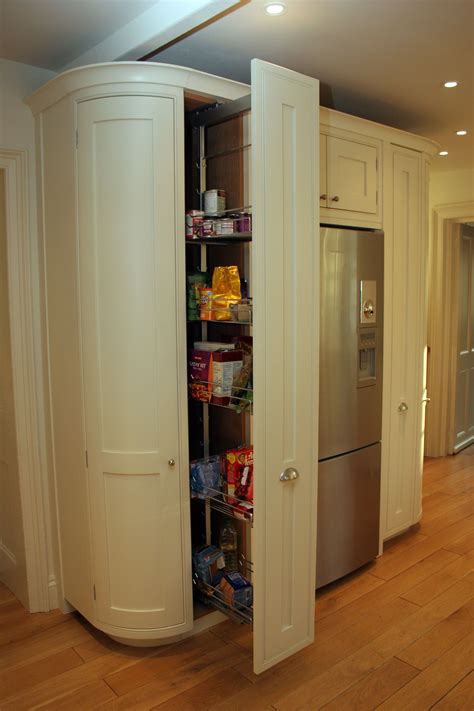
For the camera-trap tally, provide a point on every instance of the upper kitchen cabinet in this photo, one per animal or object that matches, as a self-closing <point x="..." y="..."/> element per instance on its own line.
<point x="116" y="175"/>
<point x="350" y="175"/>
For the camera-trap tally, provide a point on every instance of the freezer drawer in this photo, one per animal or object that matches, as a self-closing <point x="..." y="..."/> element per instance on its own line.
<point x="348" y="513"/>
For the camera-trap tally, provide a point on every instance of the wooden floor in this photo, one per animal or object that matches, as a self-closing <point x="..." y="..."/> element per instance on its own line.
<point x="398" y="635"/>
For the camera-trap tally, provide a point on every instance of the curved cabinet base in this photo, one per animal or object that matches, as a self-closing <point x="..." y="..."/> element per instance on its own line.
<point x="149" y="642"/>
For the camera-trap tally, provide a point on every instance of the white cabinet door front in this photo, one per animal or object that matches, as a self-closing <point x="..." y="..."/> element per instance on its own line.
<point x="402" y="435"/>
<point x="285" y="136"/>
<point x="128" y="152"/>
<point x="351" y="175"/>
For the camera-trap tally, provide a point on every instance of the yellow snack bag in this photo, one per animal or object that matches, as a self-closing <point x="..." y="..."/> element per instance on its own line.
<point x="225" y="291"/>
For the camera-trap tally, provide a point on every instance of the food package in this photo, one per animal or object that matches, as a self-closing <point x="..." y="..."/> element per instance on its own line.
<point x="208" y="564"/>
<point x="196" y="282"/>
<point x="214" y="202"/>
<point x="225" y="291"/>
<point x="225" y="367"/>
<point x="194" y="219"/>
<point x="211" y="374"/>
<point x="239" y="474"/>
<point x="206" y="475"/>
<point x="236" y="590"/>
<point x="213" y="346"/>
<point x="242" y="386"/>
<point x="205" y="311"/>
<point x="199" y="375"/>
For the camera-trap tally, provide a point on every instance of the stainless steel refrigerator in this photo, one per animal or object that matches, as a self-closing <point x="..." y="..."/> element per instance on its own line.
<point x="350" y="414"/>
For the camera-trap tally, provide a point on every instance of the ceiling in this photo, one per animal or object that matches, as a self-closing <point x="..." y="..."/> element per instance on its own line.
<point x="385" y="60"/>
<point x="51" y="33"/>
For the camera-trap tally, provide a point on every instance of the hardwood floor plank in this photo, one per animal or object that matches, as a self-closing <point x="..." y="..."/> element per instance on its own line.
<point x="162" y="664"/>
<point x="219" y="687"/>
<point x="62" y="636"/>
<point x="31" y="674"/>
<point x="460" y="698"/>
<point x="434" y="682"/>
<point x="438" y="640"/>
<point x="332" y="598"/>
<point x="375" y="688"/>
<point x="177" y="679"/>
<point x="454" y="514"/>
<point x="83" y="699"/>
<point x="430" y="588"/>
<point x="50" y="689"/>
<point x="393" y="640"/>
<point x="463" y="544"/>
<point x="27" y="625"/>
<point x="392" y="589"/>
<point x="390" y="568"/>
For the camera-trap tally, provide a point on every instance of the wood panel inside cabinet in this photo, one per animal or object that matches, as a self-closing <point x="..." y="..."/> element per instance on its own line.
<point x="225" y="159"/>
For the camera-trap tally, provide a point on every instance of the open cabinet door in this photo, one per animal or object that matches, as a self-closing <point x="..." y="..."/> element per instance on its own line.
<point x="285" y="139"/>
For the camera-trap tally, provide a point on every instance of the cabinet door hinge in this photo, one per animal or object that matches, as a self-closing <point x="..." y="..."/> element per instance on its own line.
<point x="93" y="588"/>
<point x="87" y="460"/>
<point x="77" y="138"/>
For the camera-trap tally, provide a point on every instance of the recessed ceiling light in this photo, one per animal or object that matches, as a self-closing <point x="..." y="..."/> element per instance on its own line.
<point x="443" y="153"/>
<point x="461" y="133"/>
<point x="450" y="84"/>
<point x="275" y="8"/>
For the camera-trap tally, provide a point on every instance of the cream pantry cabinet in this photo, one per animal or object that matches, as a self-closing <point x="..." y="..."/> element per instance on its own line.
<point x="387" y="173"/>
<point x="113" y="171"/>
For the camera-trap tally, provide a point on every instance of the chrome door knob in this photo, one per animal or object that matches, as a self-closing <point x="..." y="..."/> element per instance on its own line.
<point x="403" y="407"/>
<point x="171" y="462"/>
<point x="289" y="474"/>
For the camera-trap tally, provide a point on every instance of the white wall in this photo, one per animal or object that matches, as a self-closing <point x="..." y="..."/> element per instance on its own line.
<point x="451" y="186"/>
<point x="17" y="81"/>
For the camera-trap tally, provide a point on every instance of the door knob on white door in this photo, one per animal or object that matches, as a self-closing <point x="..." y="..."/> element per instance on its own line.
<point x="403" y="407"/>
<point x="171" y="462"/>
<point x="289" y="474"/>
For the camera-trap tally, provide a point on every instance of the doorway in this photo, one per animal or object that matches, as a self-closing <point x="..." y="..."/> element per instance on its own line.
<point x="464" y="397"/>
<point x="448" y="414"/>
<point x="12" y="543"/>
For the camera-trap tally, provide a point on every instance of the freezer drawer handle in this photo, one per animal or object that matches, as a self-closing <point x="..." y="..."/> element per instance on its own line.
<point x="289" y="474"/>
<point x="403" y="407"/>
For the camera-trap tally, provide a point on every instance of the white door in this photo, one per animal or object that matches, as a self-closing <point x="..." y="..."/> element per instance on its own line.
<point x="285" y="135"/>
<point x="129" y="152"/>
<point x="464" y="409"/>
<point x="351" y="175"/>
<point x="405" y="263"/>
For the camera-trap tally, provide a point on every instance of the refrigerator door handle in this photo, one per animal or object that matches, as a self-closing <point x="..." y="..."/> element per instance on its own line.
<point x="289" y="474"/>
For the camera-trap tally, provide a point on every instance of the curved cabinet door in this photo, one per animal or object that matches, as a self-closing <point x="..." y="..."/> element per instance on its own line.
<point x="129" y="152"/>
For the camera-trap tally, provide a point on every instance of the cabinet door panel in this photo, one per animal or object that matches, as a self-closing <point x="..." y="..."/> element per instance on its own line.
<point x="128" y="267"/>
<point x="351" y="175"/>
<point x="286" y="339"/>
<point x="402" y="428"/>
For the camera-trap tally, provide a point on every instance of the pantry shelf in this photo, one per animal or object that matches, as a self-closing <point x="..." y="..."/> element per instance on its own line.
<point x="213" y="596"/>
<point x="229" y="505"/>
<point x="221" y="240"/>
<point x="216" y="320"/>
